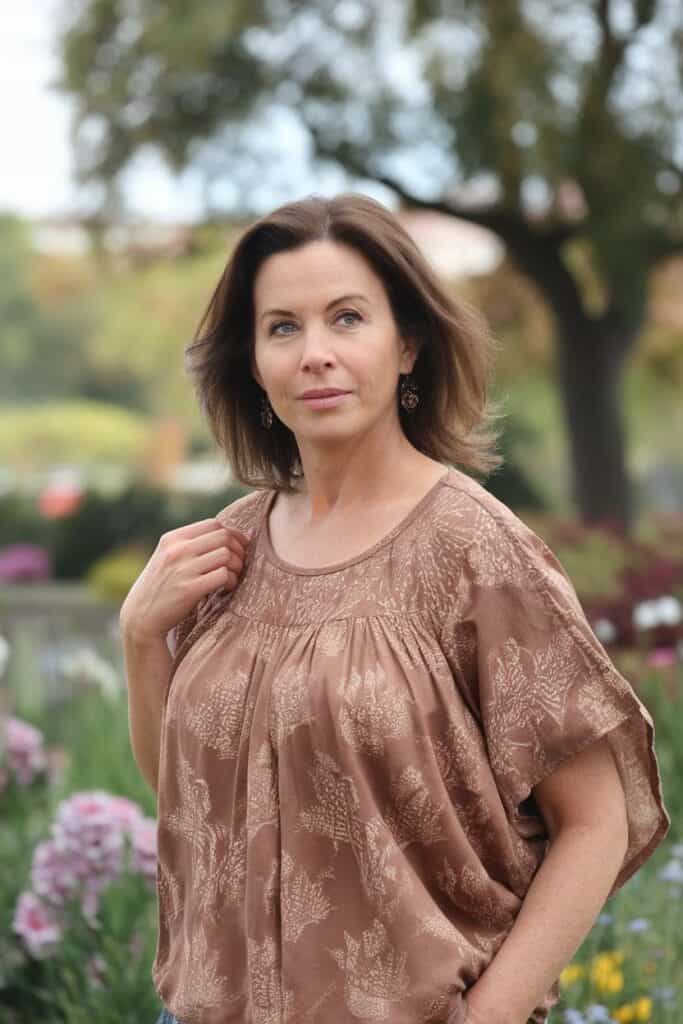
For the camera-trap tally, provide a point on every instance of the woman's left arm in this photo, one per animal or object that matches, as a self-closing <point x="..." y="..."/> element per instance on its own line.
<point x="583" y="805"/>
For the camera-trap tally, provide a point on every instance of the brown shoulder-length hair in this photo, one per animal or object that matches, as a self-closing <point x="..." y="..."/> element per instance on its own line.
<point x="452" y="421"/>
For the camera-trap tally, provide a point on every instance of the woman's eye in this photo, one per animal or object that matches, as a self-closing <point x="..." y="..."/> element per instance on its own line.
<point x="349" y="312"/>
<point x="274" y="327"/>
<point x="284" y="323"/>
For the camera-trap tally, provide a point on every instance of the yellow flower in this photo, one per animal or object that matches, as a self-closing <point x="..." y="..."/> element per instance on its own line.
<point x="571" y="973"/>
<point x="615" y="982"/>
<point x="607" y="978"/>
<point x="625" y="1013"/>
<point x="608" y="959"/>
<point x="643" y="1007"/>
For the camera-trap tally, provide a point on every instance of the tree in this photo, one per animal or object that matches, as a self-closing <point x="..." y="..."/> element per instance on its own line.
<point x="555" y="125"/>
<point x="40" y="350"/>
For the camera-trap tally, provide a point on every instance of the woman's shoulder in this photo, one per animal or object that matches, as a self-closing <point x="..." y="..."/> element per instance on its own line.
<point x="481" y="540"/>
<point x="244" y="512"/>
<point x="468" y="510"/>
<point x="477" y="533"/>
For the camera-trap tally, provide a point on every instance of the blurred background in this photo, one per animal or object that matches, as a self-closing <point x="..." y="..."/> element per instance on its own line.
<point x="534" y="150"/>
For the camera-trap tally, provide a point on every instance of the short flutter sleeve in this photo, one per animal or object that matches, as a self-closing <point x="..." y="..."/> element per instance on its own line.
<point x="242" y="513"/>
<point x="545" y="686"/>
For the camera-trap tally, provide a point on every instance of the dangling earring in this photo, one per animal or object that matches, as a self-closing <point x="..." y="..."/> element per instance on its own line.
<point x="409" y="393"/>
<point x="266" y="412"/>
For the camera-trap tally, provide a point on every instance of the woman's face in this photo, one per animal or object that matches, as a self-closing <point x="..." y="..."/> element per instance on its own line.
<point x="322" y="319"/>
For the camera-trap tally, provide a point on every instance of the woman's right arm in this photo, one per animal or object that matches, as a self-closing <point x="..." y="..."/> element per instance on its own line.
<point x="188" y="564"/>
<point x="148" y="669"/>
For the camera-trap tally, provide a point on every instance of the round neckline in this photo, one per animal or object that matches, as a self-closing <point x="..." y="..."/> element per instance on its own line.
<point x="297" y="570"/>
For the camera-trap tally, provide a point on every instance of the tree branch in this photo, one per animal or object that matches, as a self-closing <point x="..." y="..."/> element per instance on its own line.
<point x="645" y="11"/>
<point x="535" y="251"/>
<point x="611" y="52"/>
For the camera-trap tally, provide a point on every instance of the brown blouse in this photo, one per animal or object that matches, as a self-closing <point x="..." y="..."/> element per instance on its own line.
<point x="345" y="826"/>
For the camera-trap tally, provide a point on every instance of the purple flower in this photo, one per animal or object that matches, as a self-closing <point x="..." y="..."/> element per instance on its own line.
<point x="54" y="874"/>
<point x="94" y="837"/>
<point x="37" y="925"/>
<point x="24" y="562"/>
<point x="24" y="749"/>
<point x="662" y="657"/>
<point x="89" y="829"/>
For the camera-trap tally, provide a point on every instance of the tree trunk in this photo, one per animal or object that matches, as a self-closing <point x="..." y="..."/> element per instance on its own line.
<point x="591" y="359"/>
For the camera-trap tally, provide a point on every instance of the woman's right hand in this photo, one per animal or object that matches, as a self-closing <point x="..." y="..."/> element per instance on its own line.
<point x="187" y="564"/>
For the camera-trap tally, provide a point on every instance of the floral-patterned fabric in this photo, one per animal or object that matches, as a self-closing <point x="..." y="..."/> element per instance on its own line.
<point x="346" y="829"/>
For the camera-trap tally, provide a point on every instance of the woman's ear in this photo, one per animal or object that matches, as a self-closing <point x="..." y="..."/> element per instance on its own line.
<point x="410" y="350"/>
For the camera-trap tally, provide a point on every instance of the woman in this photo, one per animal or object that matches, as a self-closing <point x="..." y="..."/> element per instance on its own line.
<point x="398" y="775"/>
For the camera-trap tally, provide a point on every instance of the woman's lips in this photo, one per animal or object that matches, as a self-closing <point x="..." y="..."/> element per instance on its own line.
<point x="323" y="403"/>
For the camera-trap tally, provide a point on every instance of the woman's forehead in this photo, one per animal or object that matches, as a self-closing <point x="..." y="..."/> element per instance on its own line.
<point x="314" y="274"/>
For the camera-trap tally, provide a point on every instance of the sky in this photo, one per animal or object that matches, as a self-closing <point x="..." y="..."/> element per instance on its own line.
<point x="37" y="165"/>
<point x="36" y="173"/>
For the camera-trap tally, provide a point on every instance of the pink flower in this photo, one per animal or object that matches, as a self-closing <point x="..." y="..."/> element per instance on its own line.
<point x="94" y="836"/>
<point x="125" y="811"/>
<point x="88" y="829"/>
<point x="26" y="755"/>
<point x="37" y="925"/>
<point x="54" y="874"/>
<point x="662" y="657"/>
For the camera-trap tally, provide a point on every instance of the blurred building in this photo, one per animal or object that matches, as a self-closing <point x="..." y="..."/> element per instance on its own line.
<point x="454" y="247"/>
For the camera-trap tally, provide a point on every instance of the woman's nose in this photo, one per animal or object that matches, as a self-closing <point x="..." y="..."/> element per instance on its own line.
<point x="316" y="350"/>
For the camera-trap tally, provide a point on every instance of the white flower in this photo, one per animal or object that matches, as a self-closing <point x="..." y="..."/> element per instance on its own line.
<point x="669" y="610"/>
<point x="4" y="654"/>
<point x="597" y="1012"/>
<point x="605" y="631"/>
<point x="638" y="924"/>
<point x="666" y="611"/>
<point x="645" y="615"/>
<point x="665" y="993"/>
<point x="86" y="665"/>
<point x="672" y="872"/>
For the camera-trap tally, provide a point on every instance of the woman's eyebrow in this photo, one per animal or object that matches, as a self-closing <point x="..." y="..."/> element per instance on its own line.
<point x="288" y="312"/>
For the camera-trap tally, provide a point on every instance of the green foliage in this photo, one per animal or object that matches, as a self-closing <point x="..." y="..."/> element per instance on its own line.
<point x="101" y="524"/>
<point x="112" y="576"/>
<point x="542" y="94"/>
<point x="146" y="316"/>
<point x="40" y="352"/>
<point x="20" y="521"/>
<point x="510" y="483"/>
<point x="593" y="558"/>
<point x="108" y="538"/>
<point x="33" y="437"/>
<point x="75" y="987"/>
